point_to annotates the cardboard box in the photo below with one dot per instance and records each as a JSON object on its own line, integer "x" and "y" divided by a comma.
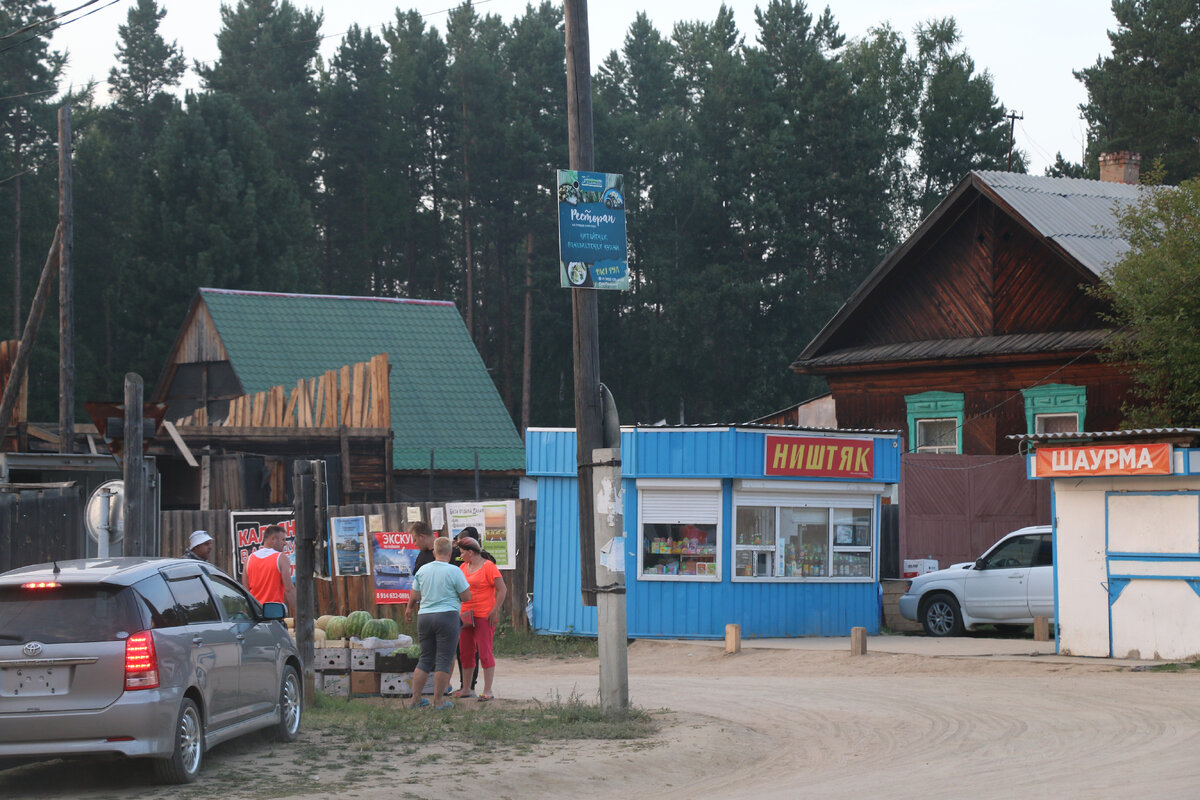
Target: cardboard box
{"x": 331, "y": 659}
{"x": 396, "y": 684}
{"x": 918, "y": 566}
{"x": 362, "y": 660}
{"x": 335, "y": 684}
{"x": 364, "y": 683}
{"x": 332, "y": 643}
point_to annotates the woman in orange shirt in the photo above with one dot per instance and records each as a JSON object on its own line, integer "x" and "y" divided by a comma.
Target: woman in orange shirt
{"x": 481, "y": 614}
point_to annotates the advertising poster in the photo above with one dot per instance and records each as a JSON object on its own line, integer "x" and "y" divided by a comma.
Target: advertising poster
{"x": 248, "y": 527}
{"x": 393, "y": 555}
{"x": 592, "y": 247}
{"x": 495, "y": 520}
{"x": 349, "y": 537}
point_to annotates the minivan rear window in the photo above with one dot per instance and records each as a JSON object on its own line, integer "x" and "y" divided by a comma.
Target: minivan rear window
{"x": 66, "y": 614}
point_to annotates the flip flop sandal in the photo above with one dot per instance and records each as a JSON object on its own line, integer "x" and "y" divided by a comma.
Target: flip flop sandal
{"x": 446, "y": 706}
{"x": 464, "y": 693}
{"x": 483, "y": 698}
{"x": 424, "y": 703}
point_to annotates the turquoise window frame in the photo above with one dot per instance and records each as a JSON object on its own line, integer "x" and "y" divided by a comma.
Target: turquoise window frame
{"x": 1054, "y": 398}
{"x": 935, "y": 405}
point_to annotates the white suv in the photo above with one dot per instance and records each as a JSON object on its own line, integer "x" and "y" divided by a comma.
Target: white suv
{"x": 1009, "y": 585}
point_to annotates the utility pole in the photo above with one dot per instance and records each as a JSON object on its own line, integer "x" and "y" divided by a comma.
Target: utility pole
{"x": 66, "y": 290}
{"x": 133, "y": 471}
{"x": 599, "y": 489}
{"x": 1012, "y": 123}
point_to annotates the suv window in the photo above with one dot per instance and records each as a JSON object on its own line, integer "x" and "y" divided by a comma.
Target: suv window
{"x": 1016, "y": 552}
{"x": 159, "y": 602}
{"x": 236, "y": 605}
{"x": 194, "y": 599}
{"x": 66, "y": 614}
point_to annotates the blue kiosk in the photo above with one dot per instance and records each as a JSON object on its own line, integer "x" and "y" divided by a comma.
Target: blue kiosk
{"x": 774, "y": 528}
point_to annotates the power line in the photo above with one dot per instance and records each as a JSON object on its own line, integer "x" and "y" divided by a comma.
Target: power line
{"x": 61, "y": 24}
{"x": 46, "y": 21}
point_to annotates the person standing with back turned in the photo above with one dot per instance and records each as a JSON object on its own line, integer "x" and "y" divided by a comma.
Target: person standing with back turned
{"x": 439, "y": 590}
{"x": 269, "y": 571}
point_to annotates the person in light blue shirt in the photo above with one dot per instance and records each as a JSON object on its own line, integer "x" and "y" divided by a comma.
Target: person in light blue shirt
{"x": 439, "y": 590}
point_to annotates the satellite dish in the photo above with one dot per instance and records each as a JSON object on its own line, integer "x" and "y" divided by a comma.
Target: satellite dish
{"x": 104, "y": 515}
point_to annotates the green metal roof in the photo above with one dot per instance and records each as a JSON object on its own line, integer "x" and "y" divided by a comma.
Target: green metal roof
{"x": 442, "y": 397}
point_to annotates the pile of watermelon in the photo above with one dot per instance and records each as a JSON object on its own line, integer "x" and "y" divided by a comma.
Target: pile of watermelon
{"x": 358, "y": 624}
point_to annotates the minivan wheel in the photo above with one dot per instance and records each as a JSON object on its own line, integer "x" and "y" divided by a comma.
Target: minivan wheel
{"x": 941, "y": 616}
{"x": 291, "y": 701}
{"x": 183, "y": 765}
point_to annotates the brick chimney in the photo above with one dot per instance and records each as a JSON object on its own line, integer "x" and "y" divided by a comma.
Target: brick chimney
{"x": 1120, "y": 167}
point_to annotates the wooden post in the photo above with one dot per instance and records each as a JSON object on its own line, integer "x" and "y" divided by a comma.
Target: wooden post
{"x": 304, "y": 510}
{"x": 858, "y": 641}
{"x": 1041, "y": 629}
{"x": 17, "y": 374}
{"x": 66, "y": 290}
{"x": 733, "y": 638}
{"x": 132, "y": 470}
{"x": 585, "y": 338}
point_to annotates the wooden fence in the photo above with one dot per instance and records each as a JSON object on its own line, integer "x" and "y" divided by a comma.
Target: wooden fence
{"x": 340, "y": 595}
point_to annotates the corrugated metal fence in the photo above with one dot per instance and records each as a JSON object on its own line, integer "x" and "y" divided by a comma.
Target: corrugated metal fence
{"x": 340, "y": 595}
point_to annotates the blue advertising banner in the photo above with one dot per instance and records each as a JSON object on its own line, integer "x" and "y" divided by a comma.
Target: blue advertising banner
{"x": 592, "y": 248}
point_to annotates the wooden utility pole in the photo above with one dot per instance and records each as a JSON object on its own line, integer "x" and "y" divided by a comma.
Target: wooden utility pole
{"x": 585, "y": 336}
{"x": 305, "y": 510}
{"x": 66, "y": 291}
{"x": 133, "y": 471}
{"x": 25, "y": 348}
{"x": 600, "y": 586}
{"x": 1012, "y": 123}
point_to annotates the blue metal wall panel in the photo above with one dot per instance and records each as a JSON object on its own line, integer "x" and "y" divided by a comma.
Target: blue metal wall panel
{"x": 682, "y": 454}
{"x": 550, "y": 452}
{"x": 557, "y": 607}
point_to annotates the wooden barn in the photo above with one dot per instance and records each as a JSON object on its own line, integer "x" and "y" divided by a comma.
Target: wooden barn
{"x": 980, "y": 326}
{"x": 390, "y": 392}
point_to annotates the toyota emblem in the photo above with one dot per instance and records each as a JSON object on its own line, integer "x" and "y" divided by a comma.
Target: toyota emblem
{"x": 32, "y": 649}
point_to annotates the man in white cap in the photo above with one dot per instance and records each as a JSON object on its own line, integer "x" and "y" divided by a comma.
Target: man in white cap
{"x": 200, "y": 546}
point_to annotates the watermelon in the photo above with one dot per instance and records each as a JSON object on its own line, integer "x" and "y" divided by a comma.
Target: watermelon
{"x": 322, "y": 621}
{"x": 373, "y": 627}
{"x": 393, "y": 628}
{"x": 355, "y": 621}
{"x": 336, "y": 628}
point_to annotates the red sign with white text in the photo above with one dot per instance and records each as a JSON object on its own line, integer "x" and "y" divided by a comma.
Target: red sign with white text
{"x": 814, "y": 456}
{"x": 1108, "y": 459}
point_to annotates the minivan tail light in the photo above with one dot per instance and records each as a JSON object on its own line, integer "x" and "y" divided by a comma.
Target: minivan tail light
{"x": 41, "y": 585}
{"x": 141, "y": 662}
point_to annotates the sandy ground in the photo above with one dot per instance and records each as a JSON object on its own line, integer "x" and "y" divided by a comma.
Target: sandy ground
{"x": 914, "y": 717}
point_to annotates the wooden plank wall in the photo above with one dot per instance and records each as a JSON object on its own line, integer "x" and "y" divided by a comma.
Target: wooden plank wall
{"x": 355, "y": 396}
{"x": 340, "y": 595}
{"x": 40, "y": 523}
{"x": 8, "y": 354}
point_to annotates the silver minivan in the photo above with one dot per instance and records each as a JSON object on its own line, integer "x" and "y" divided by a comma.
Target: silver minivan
{"x": 147, "y": 658}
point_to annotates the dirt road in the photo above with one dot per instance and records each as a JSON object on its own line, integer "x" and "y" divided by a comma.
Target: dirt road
{"x": 983, "y": 719}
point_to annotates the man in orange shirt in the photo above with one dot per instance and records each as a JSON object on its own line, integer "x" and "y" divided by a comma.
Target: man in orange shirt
{"x": 269, "y": 571}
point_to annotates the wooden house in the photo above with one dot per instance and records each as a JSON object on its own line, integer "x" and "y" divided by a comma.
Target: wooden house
{"x": 980, "y": 326}
{"x": 441, "y": 431}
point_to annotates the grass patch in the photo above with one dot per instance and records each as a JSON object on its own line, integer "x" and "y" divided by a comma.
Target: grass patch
{"x": 514, "y": 643}
{"x": 365, "y": 723}
{"x": 1175, "y": 666}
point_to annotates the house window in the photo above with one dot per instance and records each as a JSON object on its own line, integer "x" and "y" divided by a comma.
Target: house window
{"x": 802, "y": 538}
{"x": 1056, "y": 423}
{"x": 1055, "y": 408}
{"x": 678, "y": 529}
{"x": 934, "y": 422}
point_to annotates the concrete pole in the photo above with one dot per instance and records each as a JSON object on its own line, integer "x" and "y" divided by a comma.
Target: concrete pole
{"x": 608, "y": 523}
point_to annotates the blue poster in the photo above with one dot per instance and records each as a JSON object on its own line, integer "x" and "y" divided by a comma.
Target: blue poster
{"x": 592, "y": 248}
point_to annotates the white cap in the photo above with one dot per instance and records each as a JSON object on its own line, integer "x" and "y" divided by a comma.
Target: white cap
{"x": 198, "y": 538}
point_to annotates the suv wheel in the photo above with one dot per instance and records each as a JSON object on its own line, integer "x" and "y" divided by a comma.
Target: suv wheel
{"x": 940, "y": 615}
{"x": 183, "y": 765}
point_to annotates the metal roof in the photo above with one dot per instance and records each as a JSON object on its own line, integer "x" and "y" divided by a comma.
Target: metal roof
{"x": 1138, "y": 433}
{"x": 1077, "y": 214}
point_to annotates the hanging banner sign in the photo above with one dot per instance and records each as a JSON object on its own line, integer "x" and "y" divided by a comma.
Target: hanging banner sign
{"x": 392, "y": 556}
{"x": 1108, "y": 459}
{"x": 349, "y": 536}
{"x": 803, "y": 456}
{"x": 248, "y": 528}
{"x": 592, "y": 248}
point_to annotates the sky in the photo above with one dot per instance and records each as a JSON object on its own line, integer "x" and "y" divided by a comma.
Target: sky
{"x": 1029, "y": 47}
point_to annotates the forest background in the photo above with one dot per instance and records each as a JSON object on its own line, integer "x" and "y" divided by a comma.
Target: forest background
{"x": 766, "y": 175}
